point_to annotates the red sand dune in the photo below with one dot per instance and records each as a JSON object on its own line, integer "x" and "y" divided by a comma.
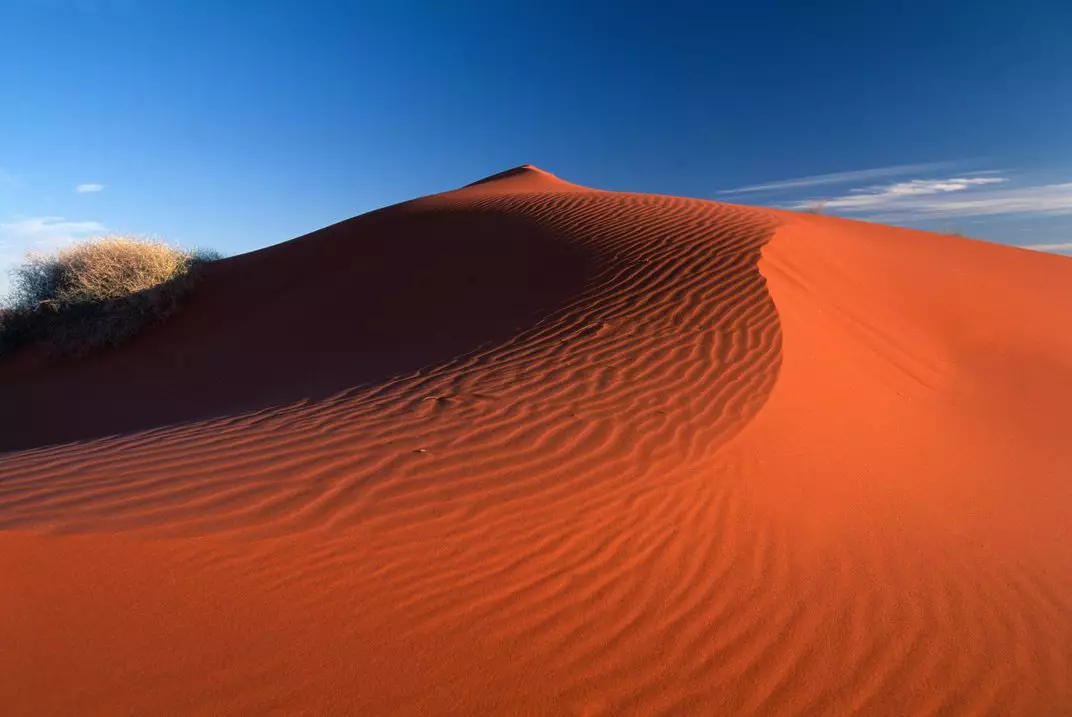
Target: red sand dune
{"x": 529, "y": 448}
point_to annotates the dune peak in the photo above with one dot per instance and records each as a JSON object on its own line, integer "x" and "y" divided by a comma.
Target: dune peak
{"x": 525, "y": 177}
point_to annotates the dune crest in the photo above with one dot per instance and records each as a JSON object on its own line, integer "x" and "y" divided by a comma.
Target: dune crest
{"x": 523, "y": 178}
{"x": 593, "y": 453}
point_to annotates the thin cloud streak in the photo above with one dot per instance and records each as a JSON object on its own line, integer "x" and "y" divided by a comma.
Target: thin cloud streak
{"x": 898, "y": 193}
{"x": 38, "y": 234}
{"x": 840, "y": 177}
{"x": 7, "y": 179}
{"x": 971, "y": 194}
{"x": 88, "y": 188}
{"x": 36, "y": 229}
{"x": 1060, "y": 248}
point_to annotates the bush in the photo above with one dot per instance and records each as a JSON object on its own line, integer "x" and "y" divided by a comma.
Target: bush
{"x": 95, "y": 294}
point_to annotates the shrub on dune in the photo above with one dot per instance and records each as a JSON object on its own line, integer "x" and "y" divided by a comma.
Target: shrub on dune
{"x": 95, "y": 294}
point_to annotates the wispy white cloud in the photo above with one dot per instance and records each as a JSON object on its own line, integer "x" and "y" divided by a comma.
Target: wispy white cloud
{"x": 45, "y": 230}
{"x": 975, "y": 194}
{"x": 38, "y": 234}
{"x": 897, "y": 194}
{"x": 859, "y": 175}
{"x": 88, "y": 188}
{"x": 1048, "y": 199}
{"x": 1060, "y": 248}
{"x": 7, "y": 179}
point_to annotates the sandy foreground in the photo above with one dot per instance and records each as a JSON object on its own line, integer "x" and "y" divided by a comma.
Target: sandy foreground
{"x": 529, "y": 448}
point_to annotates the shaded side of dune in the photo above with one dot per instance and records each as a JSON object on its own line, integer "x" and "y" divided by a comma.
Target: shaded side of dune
{"x": 378, "y": 296}
{"x": 670, "y": 347}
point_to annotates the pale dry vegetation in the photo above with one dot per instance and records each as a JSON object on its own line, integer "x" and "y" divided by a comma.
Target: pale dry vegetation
{"x": 95, "y": 294}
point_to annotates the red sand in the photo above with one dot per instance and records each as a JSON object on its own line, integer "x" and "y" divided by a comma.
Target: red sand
{"x": 529, "y": 448}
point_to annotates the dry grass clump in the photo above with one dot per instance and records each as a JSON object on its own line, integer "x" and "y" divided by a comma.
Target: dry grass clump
{"x": 95, "y": 294}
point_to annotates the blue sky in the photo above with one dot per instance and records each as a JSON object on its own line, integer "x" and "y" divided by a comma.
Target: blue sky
{"x": 236, "y": 124}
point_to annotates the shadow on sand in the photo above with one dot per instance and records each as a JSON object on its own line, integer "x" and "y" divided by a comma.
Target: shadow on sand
{"x": 380, "y": 295}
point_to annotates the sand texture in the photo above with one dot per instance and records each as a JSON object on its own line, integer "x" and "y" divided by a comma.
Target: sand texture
{"x": 529, "y": 448}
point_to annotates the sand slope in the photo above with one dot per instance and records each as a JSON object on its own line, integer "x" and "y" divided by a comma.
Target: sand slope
{"x": 531, "y": 448}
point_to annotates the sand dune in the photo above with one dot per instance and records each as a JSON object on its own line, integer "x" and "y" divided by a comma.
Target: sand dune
{"x": 531, "y": 448}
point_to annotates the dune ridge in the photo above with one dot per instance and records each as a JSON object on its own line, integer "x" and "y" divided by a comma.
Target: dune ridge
{"x": 727, "y": 461}
{"x": 596, "y": 384}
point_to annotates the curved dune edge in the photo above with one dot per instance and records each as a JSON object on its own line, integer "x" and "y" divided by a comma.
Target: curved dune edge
{"x": 872, "y": 519}
{"x": 670, "y": 348}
